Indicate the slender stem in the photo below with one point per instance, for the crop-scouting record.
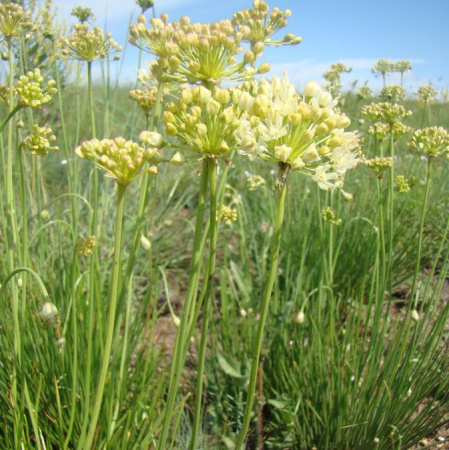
(212, 175)
(381, 232)
(264, 310)
(111, 317)
(189, 306)
(391, 212)
(421, 228)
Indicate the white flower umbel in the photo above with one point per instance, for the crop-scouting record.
(304, 132)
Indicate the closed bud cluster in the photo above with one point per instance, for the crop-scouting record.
(402, 184)
(385, 112)
(383, 66)
(426, 93)
(302, 132)
(228, 215)
(189, 52)
(255, 182)
(145, 4)
(382, 130)
(85, 45)
(32, 90)
(393, 93)
(364, 92)
(85, 246)
(14, 20)
(431, 141)
(206, 122)
(258, 25)
(39, 141)
(145, 98)
(83, 15)
(328, 215)
(333, 77)
(123, 160)
(379, 165)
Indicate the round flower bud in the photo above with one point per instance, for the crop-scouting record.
(312, 89)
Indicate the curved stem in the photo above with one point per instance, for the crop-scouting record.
(212, 175)
(34, 274)
(189, 307)
(421, 228)
(264, 308)
(111, 317)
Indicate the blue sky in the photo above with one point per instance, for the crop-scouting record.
(357, 32)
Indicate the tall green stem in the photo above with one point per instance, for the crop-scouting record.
(284, 170)
(212, 175)
(421, 227)
(189, 307)
(391, 212)
(111, 317)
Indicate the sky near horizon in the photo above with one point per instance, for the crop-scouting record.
(355, 32)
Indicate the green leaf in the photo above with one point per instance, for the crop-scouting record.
(229, 365)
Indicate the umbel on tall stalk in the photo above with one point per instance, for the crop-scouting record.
(300, 134)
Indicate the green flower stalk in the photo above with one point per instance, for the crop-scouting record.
(402, 66)
(383, 130)
(432, 142)
(300, 134)
(124, 161)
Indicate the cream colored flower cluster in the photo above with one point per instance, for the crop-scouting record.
(39, 141)
(14, 20)
(123, 160)
(145, 98)
(431, 141)
(85, 246)
(382, 130)
(304, 133)
(189, 52)
(426, 93)
(379, 164)
(385, 112)
(89, 45)
(364, 92)
(393, 93)
(258, 26)
(206, 122)
(32, 91)
(83, 15)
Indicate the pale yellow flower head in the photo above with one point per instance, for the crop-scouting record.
(383, 66)
(382, 130)
(32, 90)
(258, 26)
(206, 122)
(379, 165)
(14, 21)
(193, 52)
(123, 160)
(301, 132)
(364, 92)
(83, 15)
(426, 93)
(40, 141)
(88, 45)
(385, 112)
(85, 246)
(431, 141)
(145, 98)
(393, 93)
